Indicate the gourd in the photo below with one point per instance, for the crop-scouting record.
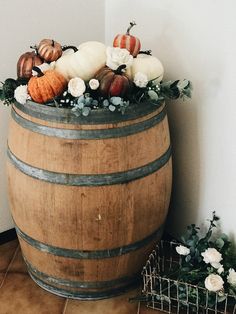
(146, 64)
(127, 41)
(26, 63)
(113, 83)
(46, 85)
(83, 62)
(49, 50)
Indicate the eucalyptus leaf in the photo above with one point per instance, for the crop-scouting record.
(105, 103)
(86, 111)
(81, 105)
(116, 101)
(182, 84)
(152, 94)
(220, 243)
(112, 108)
(188, 258)
(80, 99)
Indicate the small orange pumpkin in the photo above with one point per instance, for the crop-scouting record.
(127, 41)
(49, 50)
(26, 63)
(113, 83)
(46, 86)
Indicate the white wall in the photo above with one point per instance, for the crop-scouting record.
(194, 40)
(26, 22)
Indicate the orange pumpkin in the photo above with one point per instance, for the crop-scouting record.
(113, 83)
(49, 50)
(26, 63)
(127, 41)
(46, 86)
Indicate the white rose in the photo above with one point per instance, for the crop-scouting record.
(220, 269)
(140, 79)
(231, 278)
(118, 56)
(214, 282)
(212, 256)
(21, 94)
(76, 87)
(94, 84)
(182, 250)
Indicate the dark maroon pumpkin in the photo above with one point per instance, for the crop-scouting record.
(26, 63)
(113, 83)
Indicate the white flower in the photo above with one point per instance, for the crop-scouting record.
(212, 256)
(140, 79)
(94, 84)
(214, 282)
(118, 56)
(76, 87)
(43, 67)
(21, 94)
(231, 278)
(182, 250)
(220, 269)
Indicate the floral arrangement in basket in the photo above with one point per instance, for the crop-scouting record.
(208, 262)
(91, 76)
(195, 276)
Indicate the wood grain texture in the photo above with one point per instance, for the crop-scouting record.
(89, 218)
(89, 156)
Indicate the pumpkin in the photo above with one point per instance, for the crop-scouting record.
(146, 64)
(113, 83)
(83, 62)
(127, 41)
(46, 85)
(49, 50)
(26, 63)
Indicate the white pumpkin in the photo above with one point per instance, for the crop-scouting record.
(146, 64)
(84, 63)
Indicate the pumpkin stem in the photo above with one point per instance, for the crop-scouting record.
(70, 47)
(146, 52)
(132, 24)
(40, 73)
(53, 43)
(120, 68)
(35, 49)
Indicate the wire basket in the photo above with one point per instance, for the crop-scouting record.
(163, 291)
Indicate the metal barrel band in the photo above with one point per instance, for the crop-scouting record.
(87, 179)
(86, 295)
(100, 116)
(84, 254)
(50, 280)
(89, 134)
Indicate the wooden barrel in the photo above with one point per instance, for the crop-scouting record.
(89, 195)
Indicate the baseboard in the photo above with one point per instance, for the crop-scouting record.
(7, 236)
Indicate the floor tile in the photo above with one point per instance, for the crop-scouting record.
(18, 264)
(117, 305)
(28, 297)
(7, 251)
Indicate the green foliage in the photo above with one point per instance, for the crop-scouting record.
(194, 269)
(7, 91)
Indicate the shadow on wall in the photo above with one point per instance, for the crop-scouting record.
(186, 167)
(184, 130)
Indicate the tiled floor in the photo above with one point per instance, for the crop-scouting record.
(20, 295)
